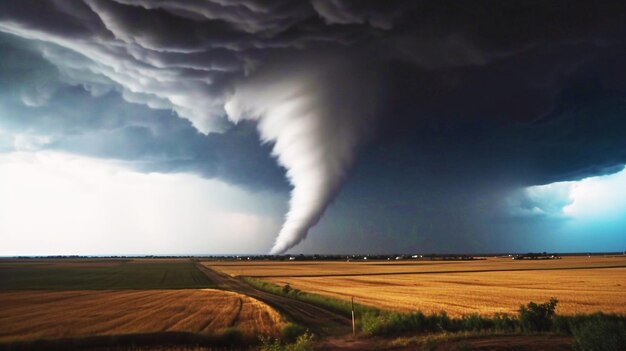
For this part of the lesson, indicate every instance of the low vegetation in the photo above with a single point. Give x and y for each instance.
(333, 304)
(537, 317)
(101, 275)
(303, 342)
(292, 331)
(389, 323)
(596, 331)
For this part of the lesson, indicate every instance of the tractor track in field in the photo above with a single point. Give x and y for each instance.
(314, 317)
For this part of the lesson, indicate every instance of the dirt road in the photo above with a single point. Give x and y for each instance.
(316, 318)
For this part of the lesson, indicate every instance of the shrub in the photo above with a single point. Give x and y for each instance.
(372, 324)
(561, 324)
(599, 332)
(270, 344)
(503, 322)
(475, 322)
(292, 331)
(440, 322)
(537, 317)
(394, 323)
(304, 342)
(286, 289)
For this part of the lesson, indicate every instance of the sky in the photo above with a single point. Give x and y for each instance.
(322, 126)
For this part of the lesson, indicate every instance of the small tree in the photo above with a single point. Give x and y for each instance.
(286, 289)
(537, 317)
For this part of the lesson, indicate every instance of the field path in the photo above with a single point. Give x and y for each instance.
(316, 318)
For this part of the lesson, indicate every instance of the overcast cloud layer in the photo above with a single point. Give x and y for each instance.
(434, 115)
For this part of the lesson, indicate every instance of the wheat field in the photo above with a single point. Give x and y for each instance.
(360, 267)
(26, 315)
(495, 285)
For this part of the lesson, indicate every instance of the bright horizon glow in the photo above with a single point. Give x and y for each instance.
(593, 198)
(55, 203)
(601, 198)
(577, 216)
(59, 204)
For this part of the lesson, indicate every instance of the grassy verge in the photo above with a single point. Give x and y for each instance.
(598, 331)
(339, 306)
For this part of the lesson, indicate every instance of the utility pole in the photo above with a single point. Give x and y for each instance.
(353, 324)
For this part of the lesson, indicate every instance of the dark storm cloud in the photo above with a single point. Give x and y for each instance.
(548, 124)
(87, 121)
(378, 14)
(472, 99)
(175, 146)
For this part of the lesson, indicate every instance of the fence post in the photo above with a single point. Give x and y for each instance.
(353, 323)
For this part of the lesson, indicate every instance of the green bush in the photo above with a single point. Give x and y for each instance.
(389, 323)
(475, 322)
(504, 322)
(394, 323)
(286, 289)
(371, 324)
(270, 344)
(561, 324)
(599, 332)
(440, 322)
(292, 331)
(304, 342)
(537, 317)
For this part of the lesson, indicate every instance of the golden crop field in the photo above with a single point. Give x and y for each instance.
(27, 315)
(494, 285)
(360, 267)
